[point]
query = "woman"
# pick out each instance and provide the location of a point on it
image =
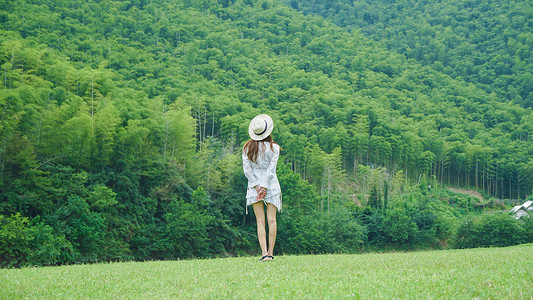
(260, 157)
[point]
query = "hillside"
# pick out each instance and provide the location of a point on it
(485, 42)
(122, 123)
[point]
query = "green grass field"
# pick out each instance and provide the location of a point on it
(475, 273)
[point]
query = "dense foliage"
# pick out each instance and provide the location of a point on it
(122, 124)
(484, 42)
(491, 230)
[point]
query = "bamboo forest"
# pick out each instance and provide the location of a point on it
(404, 125)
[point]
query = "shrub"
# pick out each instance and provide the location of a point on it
(399, 226)
(332, 232)
(373, 220)
(25, 244)
(527, 224)
(486, 230)
(187, 230)
(82, 227)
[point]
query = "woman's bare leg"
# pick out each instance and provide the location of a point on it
(259, 211)
(272, 228)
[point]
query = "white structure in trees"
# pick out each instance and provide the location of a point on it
(522, 210)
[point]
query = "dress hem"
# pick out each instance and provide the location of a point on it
(274, 200)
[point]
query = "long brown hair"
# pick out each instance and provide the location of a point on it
(252, 147)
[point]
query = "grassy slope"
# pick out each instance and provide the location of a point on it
(486, 273)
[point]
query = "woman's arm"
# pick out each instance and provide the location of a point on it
(248, 172)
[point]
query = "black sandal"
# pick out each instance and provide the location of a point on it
(263, 258)
(272, 257)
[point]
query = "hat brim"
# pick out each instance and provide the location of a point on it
(268, 131)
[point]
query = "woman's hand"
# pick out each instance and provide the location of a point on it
(261, 192)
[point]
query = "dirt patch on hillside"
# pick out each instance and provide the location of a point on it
(468, 192)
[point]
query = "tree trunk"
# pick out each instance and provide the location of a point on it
(495, 182)
(322, 190)
(518, 185)
(355, 164)
(329, 185)
(476, 177)
(502, 191)
(449, 174)
(205, 121)
(92, 104)
(510, 189)
(166, 132)
(213, 126)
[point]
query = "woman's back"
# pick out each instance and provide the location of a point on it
(265, 154)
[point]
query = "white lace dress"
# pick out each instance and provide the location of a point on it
(263, 174)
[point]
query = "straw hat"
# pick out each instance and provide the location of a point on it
(260, 127)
